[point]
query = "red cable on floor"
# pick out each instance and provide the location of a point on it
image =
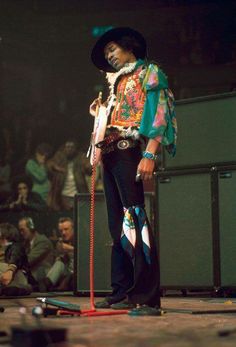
(91, 244)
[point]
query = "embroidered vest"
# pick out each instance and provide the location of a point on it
(130, 99)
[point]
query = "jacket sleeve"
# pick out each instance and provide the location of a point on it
(158, 118)
(39, 251)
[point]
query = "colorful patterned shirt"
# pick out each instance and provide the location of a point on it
(130, 99)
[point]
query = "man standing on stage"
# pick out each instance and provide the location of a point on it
(141, 119)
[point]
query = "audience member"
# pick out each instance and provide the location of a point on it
(22, 198)
(68, 173)
(39, 249)
(37, 170)
(15, 276)
(60, 276)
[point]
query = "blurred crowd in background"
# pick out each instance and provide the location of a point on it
(46, 180)
(40, 257)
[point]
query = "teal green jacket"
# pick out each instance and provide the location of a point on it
(158, 118)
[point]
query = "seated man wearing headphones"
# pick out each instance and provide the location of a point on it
(39, 249)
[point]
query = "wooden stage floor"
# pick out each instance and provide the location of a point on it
(181, 326)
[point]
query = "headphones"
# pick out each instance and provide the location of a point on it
(29, 223)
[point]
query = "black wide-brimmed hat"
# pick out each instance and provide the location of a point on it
(116, 34)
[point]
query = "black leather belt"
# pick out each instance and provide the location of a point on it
(121, 144)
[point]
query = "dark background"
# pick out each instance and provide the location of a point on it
(47, 80)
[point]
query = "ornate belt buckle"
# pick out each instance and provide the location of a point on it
(123, 144)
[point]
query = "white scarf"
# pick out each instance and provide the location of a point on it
(112, 78)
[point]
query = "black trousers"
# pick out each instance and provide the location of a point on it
(138, 279)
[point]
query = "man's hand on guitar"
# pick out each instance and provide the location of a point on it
(94, 107)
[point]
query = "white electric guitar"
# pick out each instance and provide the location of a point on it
(99, 128)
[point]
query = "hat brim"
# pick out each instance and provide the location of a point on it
(97, 55)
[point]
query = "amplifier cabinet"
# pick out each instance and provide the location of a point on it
(193, 212)
(206, 132)
(227, 225)
(185, 237)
